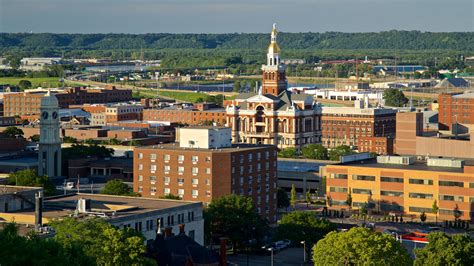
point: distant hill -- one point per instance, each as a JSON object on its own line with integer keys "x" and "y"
{"x": 408, "y": 40}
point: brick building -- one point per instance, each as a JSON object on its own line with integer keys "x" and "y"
{"x": 28, "y": 102}
{"x": 274, "y": 115}
{"x": 402, "y": 184}
{"x": 204, "y": 165}
{"x": 378, "y": 145}
{"x": 455, "y": 108}
{"x": 346, "y": 125}
{"x": 192, "y": 116}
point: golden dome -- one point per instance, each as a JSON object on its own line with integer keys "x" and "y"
{"x": 273, "y": 48}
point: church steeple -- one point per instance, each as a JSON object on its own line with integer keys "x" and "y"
{"x": 274, "y": 80}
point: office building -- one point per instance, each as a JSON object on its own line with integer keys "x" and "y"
{"x": 455, "y": 109}
{"x": 204, "y": 165}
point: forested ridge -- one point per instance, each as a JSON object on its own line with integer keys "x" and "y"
{"x": 409, "y": 40}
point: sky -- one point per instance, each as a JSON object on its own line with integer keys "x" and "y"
{"x": 230, "y": 16}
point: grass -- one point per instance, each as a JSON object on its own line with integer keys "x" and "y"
{"x": 48, "y": 82}
{"x": 178, "y": 95}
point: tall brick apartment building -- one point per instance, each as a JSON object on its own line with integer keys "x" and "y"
{"x": 204, "y": 165}
{"x": 28, "y": 102}
{"x": 455, "y": 108}
{"x": 199, "y": 114}
{"x": 347, "y": 125}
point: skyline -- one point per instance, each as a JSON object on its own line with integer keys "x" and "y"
{"x": 225, "y": 16}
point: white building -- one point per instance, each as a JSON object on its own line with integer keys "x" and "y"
{"x": 204, "y": 137}
{"x": 349, "y": 95}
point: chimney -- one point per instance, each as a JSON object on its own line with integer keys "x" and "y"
{"x": 83, "y": 205}
{"x": 223, "y": 251}
{"x": 39, "y": 209}
{"x": 168, "y": 232}
{"x": 181, "y": 229}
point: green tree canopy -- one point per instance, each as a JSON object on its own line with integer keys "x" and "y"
{"x": 35, "y": 138}
{"x": 13, "y": 132}
{"x": 293, "y": 196}
{"x": 315, "y": 151}
{"x": 394, "y": 97}
{"x": 68, "y": 139}
{"x": 30, "y": 178}
{"x": 359, "y": 246}
{"x": 443, "y": 249}
{"x": 24, "y": 84}
{"x": 99, "y": 240}
{"x": 300, "y": 226}
{"x": 336, "y": 153}
{"x": 288, "y": 153}
{"x": 171, "y": 196}
{"x": 117, "y": 187}
{"x": 282, "y": 198}
{"x": 234, "y": 217}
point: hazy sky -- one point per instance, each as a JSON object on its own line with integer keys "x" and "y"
{"x": 217, "y": 16}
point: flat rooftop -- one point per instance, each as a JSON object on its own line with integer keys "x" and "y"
{"x": 4, "y": 189}
{"x": 233, "y": 148}
{"x": 417, "y": 165}
{"x": 113, "y": 206}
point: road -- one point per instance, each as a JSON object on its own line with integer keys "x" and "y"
{"x": 287, "y": 257}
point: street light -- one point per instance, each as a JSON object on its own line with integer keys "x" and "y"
{"x": 304, "y": 250}
{"x": 271, "y": 250}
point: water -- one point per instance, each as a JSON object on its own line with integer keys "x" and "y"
{"x": 112, "y": 68}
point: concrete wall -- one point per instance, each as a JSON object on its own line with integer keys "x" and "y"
{"x": 445, "y": 147}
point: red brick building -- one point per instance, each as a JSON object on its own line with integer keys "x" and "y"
{"x": 186, "y": 116}
{"x": 28, "y": 102}
{"x": 378, "y": 145}
{"x": 455, "y": 108}
{"x": 204, "y": 165}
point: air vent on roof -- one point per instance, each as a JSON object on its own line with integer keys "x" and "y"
{"x": 402, "y": 160}
{"x": 445, "y": 162}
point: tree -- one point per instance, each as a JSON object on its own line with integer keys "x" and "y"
{"x": 315, "y": 151}
{"x": 394, "y": 97}
{"x": 364, "y": 210}
{"x": 300, "y": 226}
{"x": 308, "y": 197}
{"x": 35, "y": 138}
{"x": 336, "y": 153}
{"x": 24, "y": 84}
{"x": 349, "y": 199}
{"x": 40, "y": 250}
{"x": 171, "y": 196}
{"x": 104, "y": 243}
{"x": 68, "y": 139}
{"x": 117, "y": 187}
{"x": 293, "y": 196}
{"x": 13, "y": 132}
{"x": 423, "y": 217}
{"x": 457, "y": 213}
{"x": 236, "y": 218}
{"x": 237, "y": 86}
{"x": 32, "y": 179}
{"x": 282, "y": 199}
{"x": 359, "y": 246}
{"x": 288, "y": 153}
{"x": 434, "y": 210}
{"x": 443, "y": 249}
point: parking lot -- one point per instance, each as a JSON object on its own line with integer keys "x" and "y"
{"x": 286, "y": 257}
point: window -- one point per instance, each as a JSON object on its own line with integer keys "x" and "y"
{"x": 471, "y": 185}
{"x": 208, "y": 158}
{"x": 181, "y": 169}
{"x": 391, "y": 193}
{"x": 338, "y": 176}
{"x": 166, "y": 157}
{"x": 361, "y": 191}
{"x": 420, "y": 196}
{"x": 250, "y": 157}
{"x": 194, "y": 159}
{"x": 153, "y": 190}
{"x": 140, "y": 167}
{"x": 194, "y": 170}
{"x": 194, "y": 193}
{"x": 153, "y": 179}
{"x": 363, "y": 177}
{"x": 140, "y": 178}
{"x": 338, "y": 189}
{"x": 194, "y": 181}
{"x": 191, "y": 234}
{"x": 419, "y": 209}
{"x": 181, "y": 192}
{"x": 451, "y": 198}
{"x": 166, "y": 191}
{"x": 420, "y": 181}
{"x": 140, "y": 189}
{"x": 140, "y": 155}
{"x": 153, "y": 167}
{"x": 391, "y": 179}
{"x": 167, "y": 168}
{"x": 180, "y": 158}
{"x": 208, "y": 171}
{"x": 166, "y": 179}
{"x": 208, "y": 182}
{"x": 180, "y": 181}
{"x": 152, "y": 156}
{"x": 451, "y": 184}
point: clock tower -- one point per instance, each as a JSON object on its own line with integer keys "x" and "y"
{"x": 49, "y": 157}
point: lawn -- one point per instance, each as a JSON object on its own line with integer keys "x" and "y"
{"x": 49, "y": 82}
{"x": 178, "y": 95}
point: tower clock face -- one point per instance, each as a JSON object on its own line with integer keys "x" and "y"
{"x": 55, "y": 115}
{"x": 45, "y": 115}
